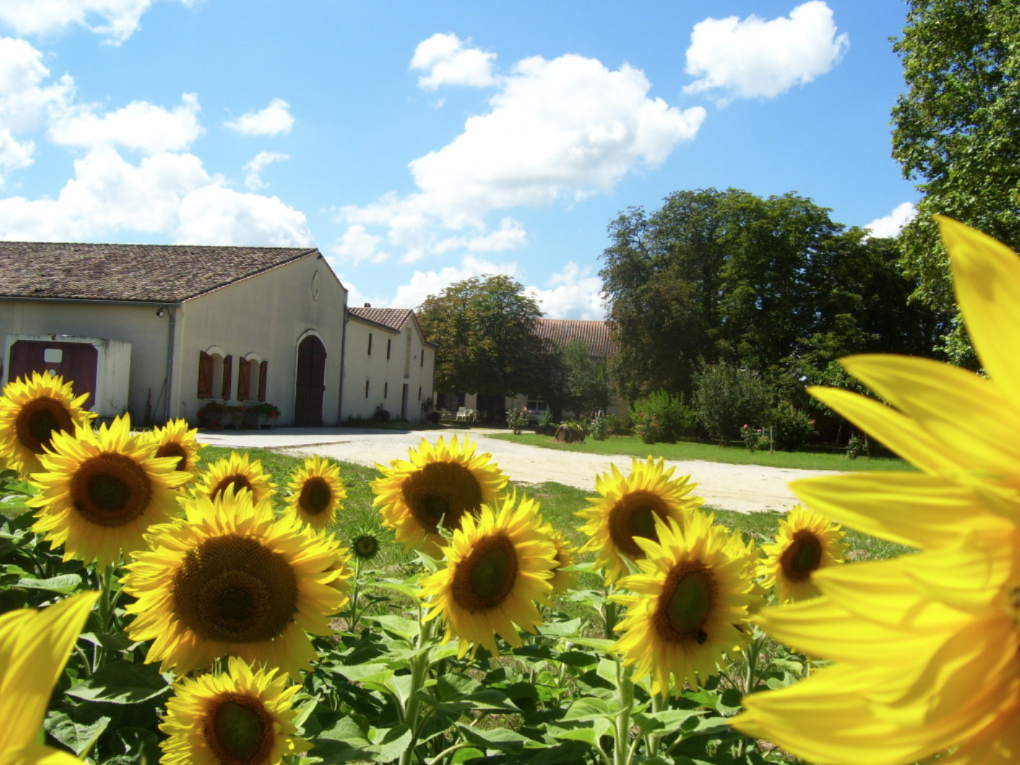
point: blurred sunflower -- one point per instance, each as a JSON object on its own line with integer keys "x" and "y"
{"x": 316, "y": 492}
{"x": 695, "y": 589}
{"x": 627, "y": 510}
{"x": 440, "y": 484}
{"x": 925, "y": 646}
{"x": 237, "y": 472}
{"x": 806, "y": 542}
{"x": 31, "y": 411}
{"x": 365, "y": 545}
{"x": 562, "y": 579}
{"x": 232, "y": 718}
{"x": 34, "y": 647}
{"x": 497, "y": 566}
{"x": 102, "y": 490}
{"x": 232, "y": 579}
{"x": 176, "y": 439}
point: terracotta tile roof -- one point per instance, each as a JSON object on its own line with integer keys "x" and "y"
{"x": 564, "y": 331}
{"x": 392, "y": 318}
{"x": 143, "y": 272}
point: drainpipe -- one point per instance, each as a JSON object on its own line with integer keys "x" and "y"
{"x": 343, "y": 357}
{"x": 170, "y": 338}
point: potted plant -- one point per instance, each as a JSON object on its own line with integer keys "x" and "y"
{"x": 212, "y": 415}
{"x": 260, "y": 416}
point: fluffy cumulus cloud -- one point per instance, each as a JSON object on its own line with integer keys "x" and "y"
{"x": 275, "y": 119}
{"x": 425, "y": 283}
{"x": 448, "y": 62}
{"x": 572, "y": 293}
{"x": 139, "y": 126}
{"x": 253, "y": 178}
{"x": 115, "y": 20}
{"x": 891, "y": 224}
{"x": 755, "y": 58}
{"x": 217, "y": 215}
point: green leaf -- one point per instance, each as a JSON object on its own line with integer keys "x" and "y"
{"x": 77, "y": 728}
{"x": 599, "y": 644}
{"x": 608, "y": 670}
{"x": 393, "y": 744}
{"x": 397, "y": 625}
{"x": 137, "y": 744}
{"x": 668, "y": 719}
{"x": 498, "y": 738}
{"x": 586, "y": 708}
{"x": 577, "y": 658}
{"x": 122, "y": 683}
{"x": 491, "y": 699}
{"x": 465, "y": 754}
{"x": 358, "y": 673}
{"x": 404, "y": 589}
{"x": 66, "y": 584}
{"x": 562, "y": 629}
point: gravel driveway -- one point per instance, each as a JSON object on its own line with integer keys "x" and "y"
{"x": 744, "y": 488}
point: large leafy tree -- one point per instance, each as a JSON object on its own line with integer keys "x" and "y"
{"x": 483, "y": 328}
{"x": 957, "y": 129}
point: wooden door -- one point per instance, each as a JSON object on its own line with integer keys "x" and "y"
{"x": 311, "y": 382}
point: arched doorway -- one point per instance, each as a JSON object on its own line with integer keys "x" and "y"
{"x": 311, "y": 382}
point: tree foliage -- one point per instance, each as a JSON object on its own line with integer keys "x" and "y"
{"x": 586, "y": 380}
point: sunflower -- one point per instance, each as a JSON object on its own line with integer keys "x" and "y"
{"x": 562, "y": 578}
{"x": 498, "y": 566}
{"x": 102, "y": 490}
{"x": 317, "y": 492}
{"x": 31, "y": 411}
{"x": 365, "y": 545}
{"x": 925, "y": 646}
{"x": 232, "y": 579}
{"x": 34, "y": 647}
{"x": 695, "y": 589}
{"x": 627, "y": 510}
{"x": 230, "y": 719}
{"x": 175, "y": 439}
{"x": 806, "y": 543}
{"x": 238, "y": 472}
{"x": 439, "y": 485}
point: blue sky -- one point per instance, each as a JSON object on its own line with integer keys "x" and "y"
{"x": 420, "y": 143}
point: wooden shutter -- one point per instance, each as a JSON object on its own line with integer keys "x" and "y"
{"x": 205, "y": 373}
{"x": 228, "y": 365}
{"x": 263, "y": 378}
{"x": 243, "y": 379}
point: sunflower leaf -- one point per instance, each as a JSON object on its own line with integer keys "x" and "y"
{"x": 122, "y": 682}
{"x": 588, "y": 709}
{"x": 668, "y": 719}
{"x": 77, "y": 728}
{"x": 396, "y": 625}
{"x": 498, "y": 738}
{"x": 65, "y": 584}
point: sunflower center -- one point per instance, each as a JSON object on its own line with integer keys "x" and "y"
{"x": 110, "y": 489}
{"x": 38, "y": 419}
{"x": 366, "y": 546}
{"x": 802, "y": 556}
{"x": 239, "y": 482}
{"x": 688, "y": 597}
{"x": 239, "y": 730}
{"x": 486, "y": 577}
{"x": 634, "y": 516}
{"x": 235, "y": 590}
{"x": 441, "y": 492}
{"x": 316, "y": 496}
{"x": 172, "y": 449}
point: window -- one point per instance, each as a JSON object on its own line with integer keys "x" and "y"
{"x": 228, "y": 366}
{"x": 419, "y": 393}
{"x": 205, "y": 375}
{"x": 244, "y": 369}
{"x": 385, "y": 389}
{"x": 389, "y": 342}
{"x": 422, "y": 365}
{"x": 366, "y": 388}
{"x": 263, "y": 379}
{"x": 369, "y": 343}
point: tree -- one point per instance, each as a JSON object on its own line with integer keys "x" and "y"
{"x": 957, "y": 131}
{"x": 483, "y": 329}
{"x": 587, "y": 380}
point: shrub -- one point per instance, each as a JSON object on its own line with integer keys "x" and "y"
{"x": 600, "y": 426}
{"x": 647, "y": 427}
{"x": 727, "y": 397}
{"x": 789, "y": 427}
{"x": 517, "y": 419}
{"x": 674, "y": 419}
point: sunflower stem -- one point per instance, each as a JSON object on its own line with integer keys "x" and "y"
{"x": 105, "y": 611}
{"x": 355, "y": 594}
{"x": 660, "y": 703}
{"x": 622, "y": 752}
{"x": 419, "y": 666}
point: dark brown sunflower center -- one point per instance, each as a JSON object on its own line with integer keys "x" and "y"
{"x": 174, "y": 449}
{"x": 366, "y": 546}
{"x": 634, "y": 516}
{"x": 110, "y": 489}
{"x": 441, "y": 492}
{"x": 685, "y": 605}
{"x": 38, "y": 419}
{"x": 315, "y": 496}
{"x": 239, "y": 482}
{"x": 802, "y": 556}
{"x": 486, "y": 577}
{"x": 235, "y": 590}
{"x": 238, "y": 729}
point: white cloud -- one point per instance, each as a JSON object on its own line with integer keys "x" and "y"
{"x": 891, "y": 224}
{"x": 754, "y": 58}
{"x": 140, "y": 126}
{"x": 425, "y": 283}
{"x": 448, "y": 62}
{"x": 273, "y": 120}
{"x": 571, "y": 294}
{"x": 358, "y": 246}
{"x": 116, "y": 20}
{"x": 259, "y": 162}
{"x": 217, "y": 215}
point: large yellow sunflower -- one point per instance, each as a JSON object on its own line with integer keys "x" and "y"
{"x": 497, "y": 567}
{"x": 34, "y": 646}
{"x": 235, "y": 718}
{"x": 695, "y": 590}
{"x": 439, "y": 485}
{"x": 232, "y": 579}
{"x": 806, "y": 543}
{"x": 238, "y": 472}
{"x": 926, "y": 646}
{"x": 31, "y": 411}
{"x": 316, "y": 492}
{"x": 627, "y": 510}
{"x": 102, "y": 490}
{"x": 177, "y": 439}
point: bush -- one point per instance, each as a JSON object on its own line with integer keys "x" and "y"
{"x": 727, "y": 397}
{"x": 601, "y": 426}
{"x": 789, "y": 427}
{"x": 673, "y": 419}
{"x": 517, "y": 419}
{"x": 647, "y": 427}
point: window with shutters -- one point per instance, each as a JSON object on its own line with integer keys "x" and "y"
{"x": 205, "y": 375}
{"x": 244, "y": 370}
{"x": 389, "y": 342}
{"x": 263, "y": 379}
{"x": 369, "y": 343}
{"x": 228, "y": 367}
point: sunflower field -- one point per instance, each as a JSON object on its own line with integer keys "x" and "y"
{"x": 157, "y": 605}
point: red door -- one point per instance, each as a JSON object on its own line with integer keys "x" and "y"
{"x": 311, "y": 382}
{"x": 77, "y": 363}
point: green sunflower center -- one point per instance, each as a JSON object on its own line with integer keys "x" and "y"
{"x": 235, "y": 590}
{"x": 634, "y": 516}
{"x": 366, "y": 546}
{"x": 239, "y": 730}
{"x": 485, "y": 578}
{"x": 316, "y": 496}
{"x": 441, "y": 492}
{"x": 110, "y": 489}
{"x": 37, "y": 421}
{"x": 174, "y": 449}
{"x": 685, "y": 605}
{"x": 239, "y": 482}
{"x": 802, "y": 556}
